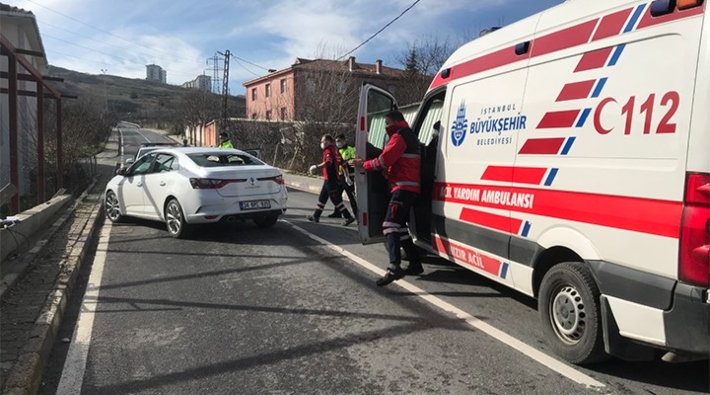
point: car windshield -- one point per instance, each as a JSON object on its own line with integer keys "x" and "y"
{"x": 145, "y": 150}
{"x": 219, "y": 159}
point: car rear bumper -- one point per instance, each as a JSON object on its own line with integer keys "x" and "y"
{"x": 218, "y": 210}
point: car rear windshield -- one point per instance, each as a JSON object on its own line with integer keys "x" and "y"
{"x": 220, "y": 159}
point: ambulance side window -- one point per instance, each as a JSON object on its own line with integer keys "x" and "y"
{"x": 428, "y": 126}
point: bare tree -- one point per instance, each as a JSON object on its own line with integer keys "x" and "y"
{"x": 421, "y": 61}
{"x": 197, "y": 108}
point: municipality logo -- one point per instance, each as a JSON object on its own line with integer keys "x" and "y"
{"x": 460, "y": 126}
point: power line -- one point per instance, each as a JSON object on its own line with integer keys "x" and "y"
{"x": 101, "y": 30}
{"x": 242, "y": 66}
{"x": 246, "y": 61}
{"x": 112, "y": 45}
{"x": 379, "y": 31}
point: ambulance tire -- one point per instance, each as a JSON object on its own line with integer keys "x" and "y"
{"x": 571, "y": 316}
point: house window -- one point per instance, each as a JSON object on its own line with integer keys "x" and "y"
{"x": 283, "y": 113}
{"x": 283, "y": 85}
{"x": 268, "y": 90}
{"x": 253, "y": 93}
{"x": 268, "y": 114}
{"x": 310, "y": 85}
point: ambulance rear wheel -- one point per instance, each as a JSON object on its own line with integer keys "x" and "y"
{"x": 571, "y": 319}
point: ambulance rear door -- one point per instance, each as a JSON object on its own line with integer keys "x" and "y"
{"x": 372, "y": 188}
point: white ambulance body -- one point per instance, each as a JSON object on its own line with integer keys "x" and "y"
{"x": 573, "y": 165}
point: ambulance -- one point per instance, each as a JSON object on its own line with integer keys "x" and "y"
{"x": 572, "y": 164}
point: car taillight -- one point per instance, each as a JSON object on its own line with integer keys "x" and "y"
{"x": 694, "y": 259}
{"x": 277, "y": 179}
{"x": 209, "y": 183}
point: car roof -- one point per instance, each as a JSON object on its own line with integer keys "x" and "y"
{"x": 165, "y": 143}
{"x": 200, "y": 150}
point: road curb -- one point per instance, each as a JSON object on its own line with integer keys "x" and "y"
{"x": 10, "y": 279}
{"x": 26, "y": 374}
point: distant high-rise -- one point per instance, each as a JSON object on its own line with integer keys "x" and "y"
{"x": 202, "y": 82}
{"x": 153, "y": 72}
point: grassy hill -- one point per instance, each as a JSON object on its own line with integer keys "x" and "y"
{"x": 135, "y": 100}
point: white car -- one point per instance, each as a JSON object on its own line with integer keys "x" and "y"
{"x": 185, "y": 186}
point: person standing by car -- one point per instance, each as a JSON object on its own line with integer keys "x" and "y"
{"x": 330, "y": 164}
{"x": 402, "y": 161}
{"x": 347, "y": 179}
{"x": 224, "y": 141}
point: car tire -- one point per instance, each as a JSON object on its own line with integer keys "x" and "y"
{"x": 112, "y": 207}
{"x": 175, "y": 220}
{"x": 266, "y": 221}
{"x": 570, "y": 311}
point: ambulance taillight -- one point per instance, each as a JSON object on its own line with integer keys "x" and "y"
{"x": 694, "y": 257}
{"x": 685, "y": 4}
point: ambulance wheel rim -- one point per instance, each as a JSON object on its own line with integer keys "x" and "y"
{"x": 567, "y": 314}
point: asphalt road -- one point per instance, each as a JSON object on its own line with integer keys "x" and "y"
{"x": 293, "y": 309}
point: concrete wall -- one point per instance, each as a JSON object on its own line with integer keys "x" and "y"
{"x": 32, "y": 221}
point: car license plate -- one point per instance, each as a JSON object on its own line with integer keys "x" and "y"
{"x": 255, "y": 204}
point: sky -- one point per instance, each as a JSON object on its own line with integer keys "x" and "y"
{"x": 122, "y": 37}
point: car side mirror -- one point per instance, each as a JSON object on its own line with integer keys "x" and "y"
{"x": 121, "y": 171}
{"x": 129, "y": 161}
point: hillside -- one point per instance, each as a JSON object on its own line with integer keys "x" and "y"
{"x": 135, "y": 100}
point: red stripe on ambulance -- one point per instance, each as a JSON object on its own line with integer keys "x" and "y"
{"x": 576, "y": 90}
{"x": 558, "y": 119}
{"x": 612, "y": 24}
{"x": 468, "y": 256}
{"x": 542, "y": 146}
{"x": 593, "y": 60}
{"x": 489, "y": 220}
{"x": 518, "y": 175}
{"x": 651, "y": 216}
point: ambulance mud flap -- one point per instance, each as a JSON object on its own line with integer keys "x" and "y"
{"x": 617, "y": 345}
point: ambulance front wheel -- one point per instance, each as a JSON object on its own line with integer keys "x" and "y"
{"x": 570, "y": 312}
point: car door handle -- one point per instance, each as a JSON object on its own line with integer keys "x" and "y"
{"x": 162, "y": 183}
{"x": 140, "y": 184}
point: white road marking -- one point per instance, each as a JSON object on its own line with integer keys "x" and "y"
{"x": 121, "y": 147}
{"x": 146, "y": 138}
{"x": 544, "y": 359}
{"x": 75, "y": 364}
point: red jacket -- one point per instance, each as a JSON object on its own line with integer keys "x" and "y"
{"x": 401, "y": 160}
{"x": 333, "y": 161}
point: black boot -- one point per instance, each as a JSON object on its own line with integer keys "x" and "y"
{"x": 390, "y": 276}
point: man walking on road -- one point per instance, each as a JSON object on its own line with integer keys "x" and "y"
{"x": 402, "y": 162}
{"x": 330, "y": 164}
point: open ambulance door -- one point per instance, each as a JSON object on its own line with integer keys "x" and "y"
{"x": 371, "y": 188}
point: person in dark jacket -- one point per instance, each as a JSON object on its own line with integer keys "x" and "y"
{"x": 331, "y": 187}
{"x": 401, "y": 161}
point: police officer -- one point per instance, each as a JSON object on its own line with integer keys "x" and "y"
{"x": 347, "y": 179}
{"x": 330, "y": 164}
{"x": 224, "y": 141}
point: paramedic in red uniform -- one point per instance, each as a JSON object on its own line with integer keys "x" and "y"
{"x": 331, "y": 186}
{"x": 401, "y": 161}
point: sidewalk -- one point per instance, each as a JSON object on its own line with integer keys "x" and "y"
{"x": 31, "y": 310}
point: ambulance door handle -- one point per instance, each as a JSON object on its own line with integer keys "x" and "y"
{"x": 522, "y": 48}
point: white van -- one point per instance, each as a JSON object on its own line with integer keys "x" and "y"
{"x": 573, "y": 165}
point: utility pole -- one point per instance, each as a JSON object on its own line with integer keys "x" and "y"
{"x": 103, "y": 71}
{"x": 225, "y": 88}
